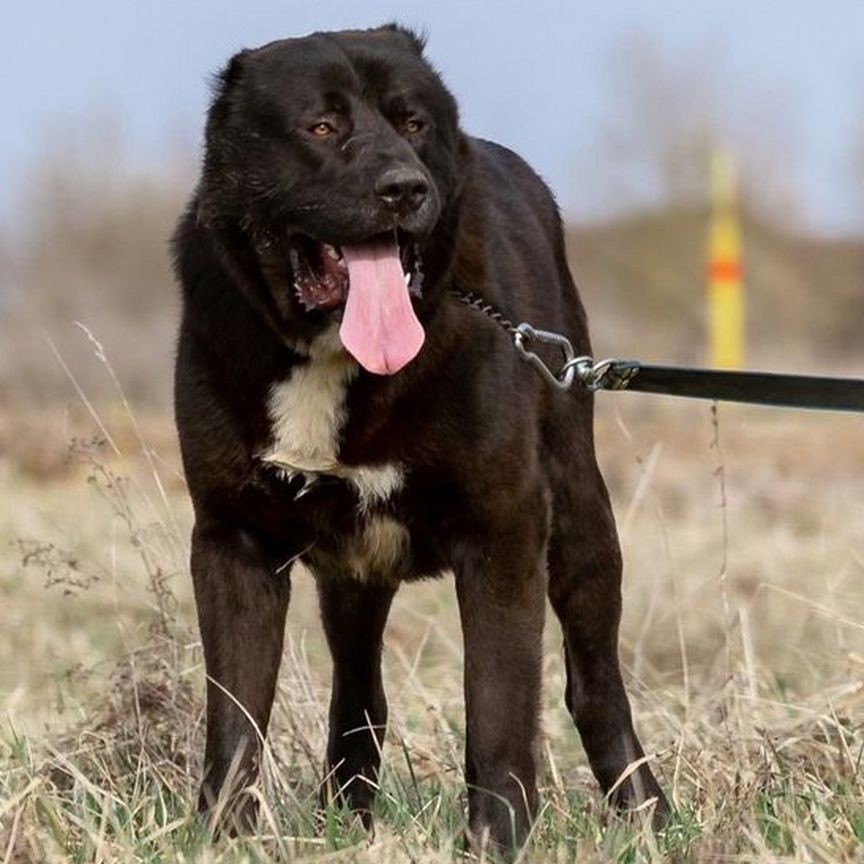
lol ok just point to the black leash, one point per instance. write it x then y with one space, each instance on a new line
756 388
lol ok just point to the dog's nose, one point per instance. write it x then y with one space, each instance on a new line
402 188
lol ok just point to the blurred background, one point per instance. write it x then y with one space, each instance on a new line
618 106
743 636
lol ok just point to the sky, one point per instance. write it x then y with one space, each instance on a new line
546 77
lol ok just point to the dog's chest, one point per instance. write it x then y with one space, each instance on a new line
308 415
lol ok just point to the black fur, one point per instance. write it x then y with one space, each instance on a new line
501 484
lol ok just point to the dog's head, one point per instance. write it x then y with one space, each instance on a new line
336 161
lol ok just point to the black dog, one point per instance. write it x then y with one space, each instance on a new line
337 405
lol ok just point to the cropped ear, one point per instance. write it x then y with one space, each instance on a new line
417 41
223 86
232 71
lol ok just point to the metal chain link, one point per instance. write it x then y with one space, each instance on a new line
478 303
602 374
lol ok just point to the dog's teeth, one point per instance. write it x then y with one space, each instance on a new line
331 252
407 279
301 298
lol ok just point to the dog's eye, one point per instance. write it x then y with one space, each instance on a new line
322 129
412 126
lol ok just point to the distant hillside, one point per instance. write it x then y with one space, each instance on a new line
643 281
96 252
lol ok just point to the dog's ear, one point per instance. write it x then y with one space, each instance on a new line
224 87
231 73
417 41
220 130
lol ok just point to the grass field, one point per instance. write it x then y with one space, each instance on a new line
743 643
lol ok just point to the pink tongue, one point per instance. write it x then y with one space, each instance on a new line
379 327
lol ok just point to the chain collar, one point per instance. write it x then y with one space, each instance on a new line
602 374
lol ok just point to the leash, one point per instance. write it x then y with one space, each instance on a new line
755 388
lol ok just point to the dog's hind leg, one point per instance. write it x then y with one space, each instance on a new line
585 591
241 602
354 615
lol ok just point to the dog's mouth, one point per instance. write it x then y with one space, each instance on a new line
370 283
321 276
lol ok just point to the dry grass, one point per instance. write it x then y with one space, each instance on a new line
744 630
743 641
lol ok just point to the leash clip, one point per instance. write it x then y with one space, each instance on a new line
593 376
563 378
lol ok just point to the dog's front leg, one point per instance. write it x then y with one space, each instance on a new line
354 616
500 584
242 602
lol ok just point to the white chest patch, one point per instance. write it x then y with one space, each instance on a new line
307 413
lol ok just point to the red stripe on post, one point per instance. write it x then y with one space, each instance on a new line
724 270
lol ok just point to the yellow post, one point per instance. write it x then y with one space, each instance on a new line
725 279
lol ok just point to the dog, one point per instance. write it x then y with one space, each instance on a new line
337 405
